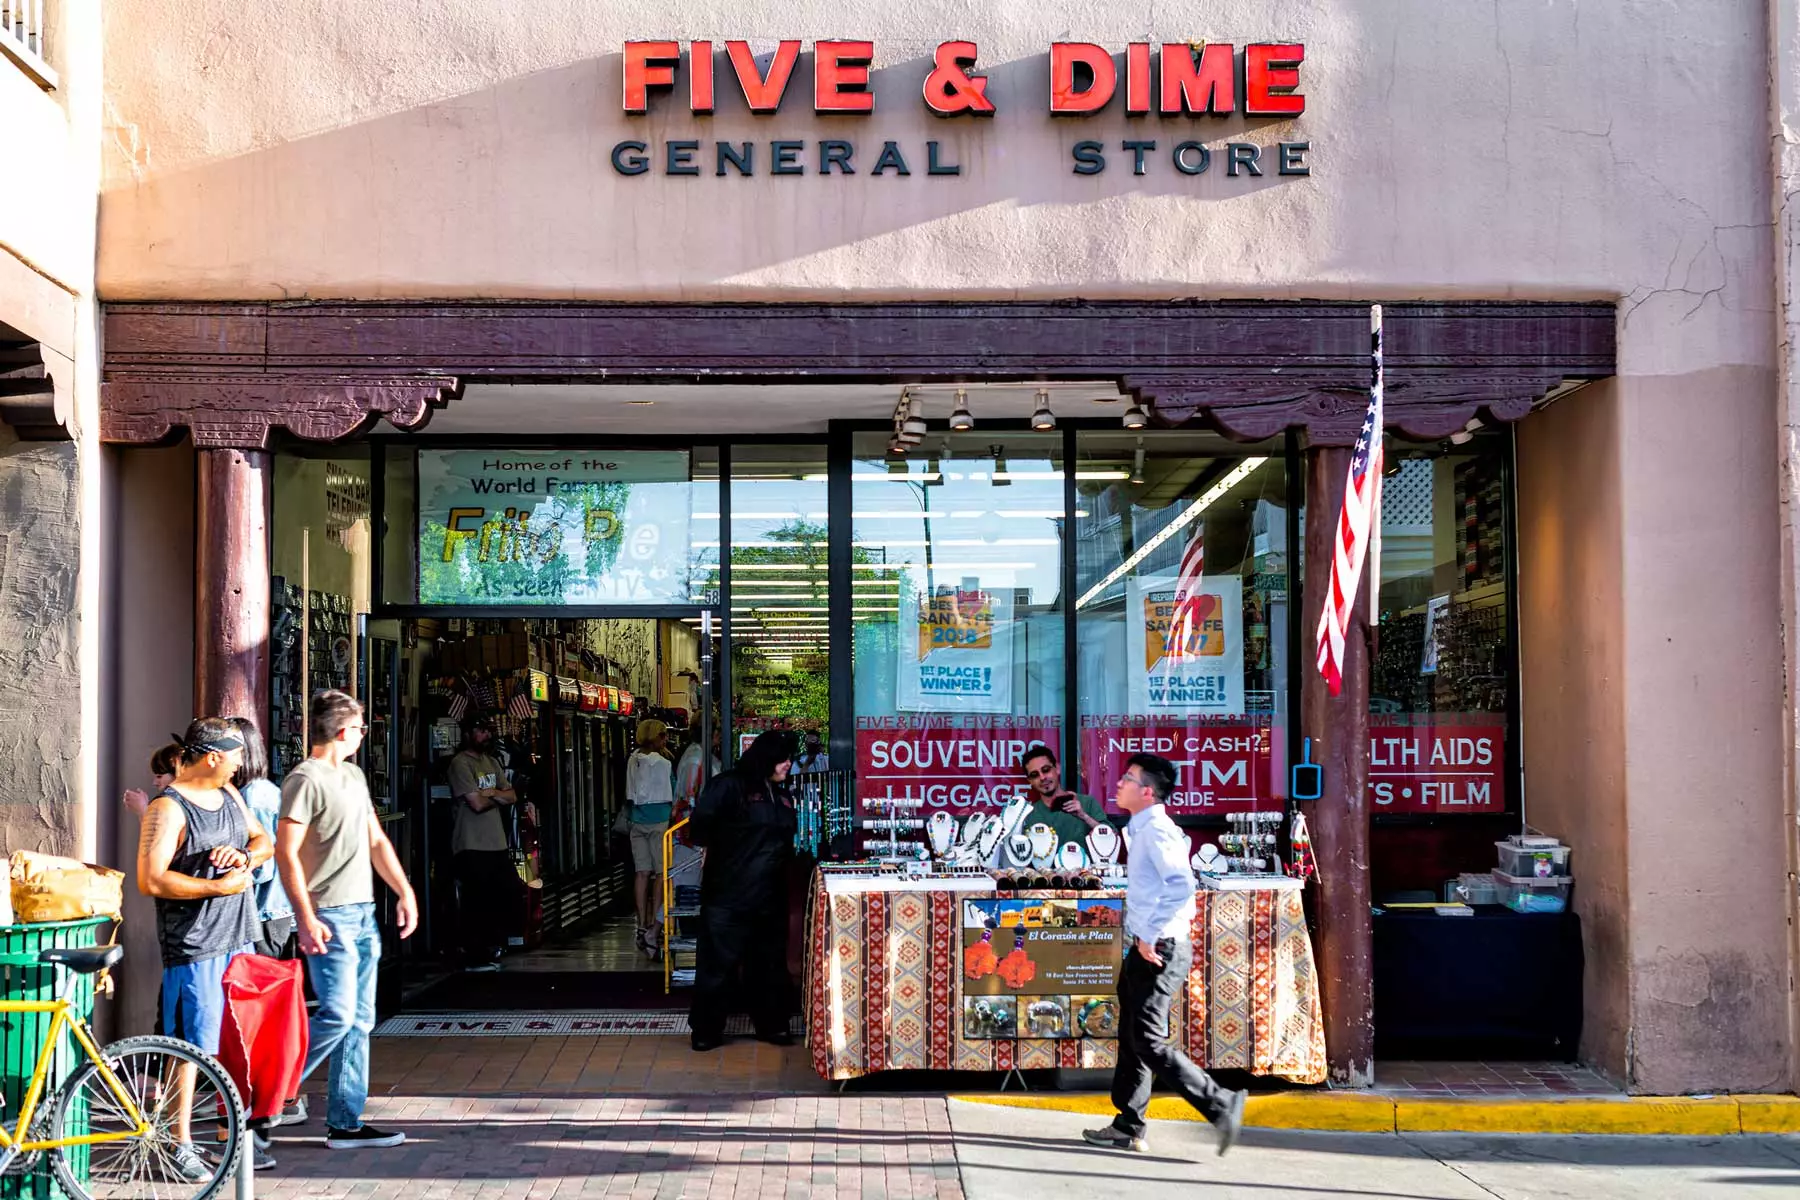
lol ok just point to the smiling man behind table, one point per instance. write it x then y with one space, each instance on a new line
328 841
1071 815
1159 919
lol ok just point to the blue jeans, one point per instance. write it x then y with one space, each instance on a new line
344 979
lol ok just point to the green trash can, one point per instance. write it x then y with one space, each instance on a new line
22 1034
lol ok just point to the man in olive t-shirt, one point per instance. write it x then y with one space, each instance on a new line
487 885
1071 815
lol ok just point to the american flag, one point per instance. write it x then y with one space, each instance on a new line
1359 527
1188 591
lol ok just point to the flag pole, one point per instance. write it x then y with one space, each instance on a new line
1378 451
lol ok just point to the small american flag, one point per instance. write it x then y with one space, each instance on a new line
1188 591
521 707
1359 527
459 705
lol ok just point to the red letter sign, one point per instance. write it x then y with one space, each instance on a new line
700 77
1137 78
763 94
841 77
648 65
1206 86
950 88
1064 58
1271 73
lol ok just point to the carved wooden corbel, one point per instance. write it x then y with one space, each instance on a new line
239 411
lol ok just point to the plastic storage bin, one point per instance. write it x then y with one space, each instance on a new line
1472 888
1522 860
1530 894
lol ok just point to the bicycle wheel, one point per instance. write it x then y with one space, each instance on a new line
148 1166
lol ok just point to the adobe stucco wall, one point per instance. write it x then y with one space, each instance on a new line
265 149
48 489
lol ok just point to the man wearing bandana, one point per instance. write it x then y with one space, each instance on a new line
197 855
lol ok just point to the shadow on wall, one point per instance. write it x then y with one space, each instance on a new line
523 183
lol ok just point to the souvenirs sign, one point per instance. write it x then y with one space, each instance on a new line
963 764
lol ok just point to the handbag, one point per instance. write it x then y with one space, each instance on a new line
48 888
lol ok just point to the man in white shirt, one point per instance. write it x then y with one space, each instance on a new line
1159 919
650 789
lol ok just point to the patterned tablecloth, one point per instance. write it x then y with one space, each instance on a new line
881 989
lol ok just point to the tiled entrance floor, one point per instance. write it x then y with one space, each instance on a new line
1474 1080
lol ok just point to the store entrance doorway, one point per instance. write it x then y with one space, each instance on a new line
504 747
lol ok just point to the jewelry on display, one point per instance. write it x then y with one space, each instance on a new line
941 829
1099 1018
1071 857
1043 844
1103 840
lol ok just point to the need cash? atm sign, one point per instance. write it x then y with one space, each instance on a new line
1258 80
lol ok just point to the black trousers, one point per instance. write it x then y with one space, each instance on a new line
1146 993
742 966
487 896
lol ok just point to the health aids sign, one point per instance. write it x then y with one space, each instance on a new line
956 652
1439 767
527 527
1168 80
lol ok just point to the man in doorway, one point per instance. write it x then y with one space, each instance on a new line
197 856
812 756
650 790
327 844
1071 815
487 885
1159 919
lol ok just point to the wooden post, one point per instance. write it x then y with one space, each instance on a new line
231 586
1339 728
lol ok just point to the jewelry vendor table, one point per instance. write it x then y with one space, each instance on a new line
883 964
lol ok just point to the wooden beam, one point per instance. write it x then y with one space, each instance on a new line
1339 729
231 585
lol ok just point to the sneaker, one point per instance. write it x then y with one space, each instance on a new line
359 1138
261 1159
186 1162
1231 1121
293 1114
1114 1138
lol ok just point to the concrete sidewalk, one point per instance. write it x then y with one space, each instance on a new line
1005 1153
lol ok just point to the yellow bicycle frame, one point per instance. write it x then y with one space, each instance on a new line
62 1015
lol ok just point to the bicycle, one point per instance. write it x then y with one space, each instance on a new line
122 1109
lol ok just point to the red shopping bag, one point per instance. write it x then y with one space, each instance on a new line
263 1041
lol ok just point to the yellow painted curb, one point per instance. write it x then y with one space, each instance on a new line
1628 1114
1342 1112
1769 1114
1365 1112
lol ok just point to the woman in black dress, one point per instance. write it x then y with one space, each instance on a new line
745 820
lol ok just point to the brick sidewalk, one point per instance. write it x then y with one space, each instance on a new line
536 1119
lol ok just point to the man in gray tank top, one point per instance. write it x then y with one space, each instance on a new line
197 855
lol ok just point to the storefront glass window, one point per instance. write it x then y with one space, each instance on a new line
1197 674
780 596
1441 677
556 527
958 603
320 555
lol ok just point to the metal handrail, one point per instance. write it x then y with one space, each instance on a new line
668 904
22 39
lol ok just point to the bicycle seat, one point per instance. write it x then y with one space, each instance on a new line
83 960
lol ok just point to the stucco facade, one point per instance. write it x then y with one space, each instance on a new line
255 150
49 488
